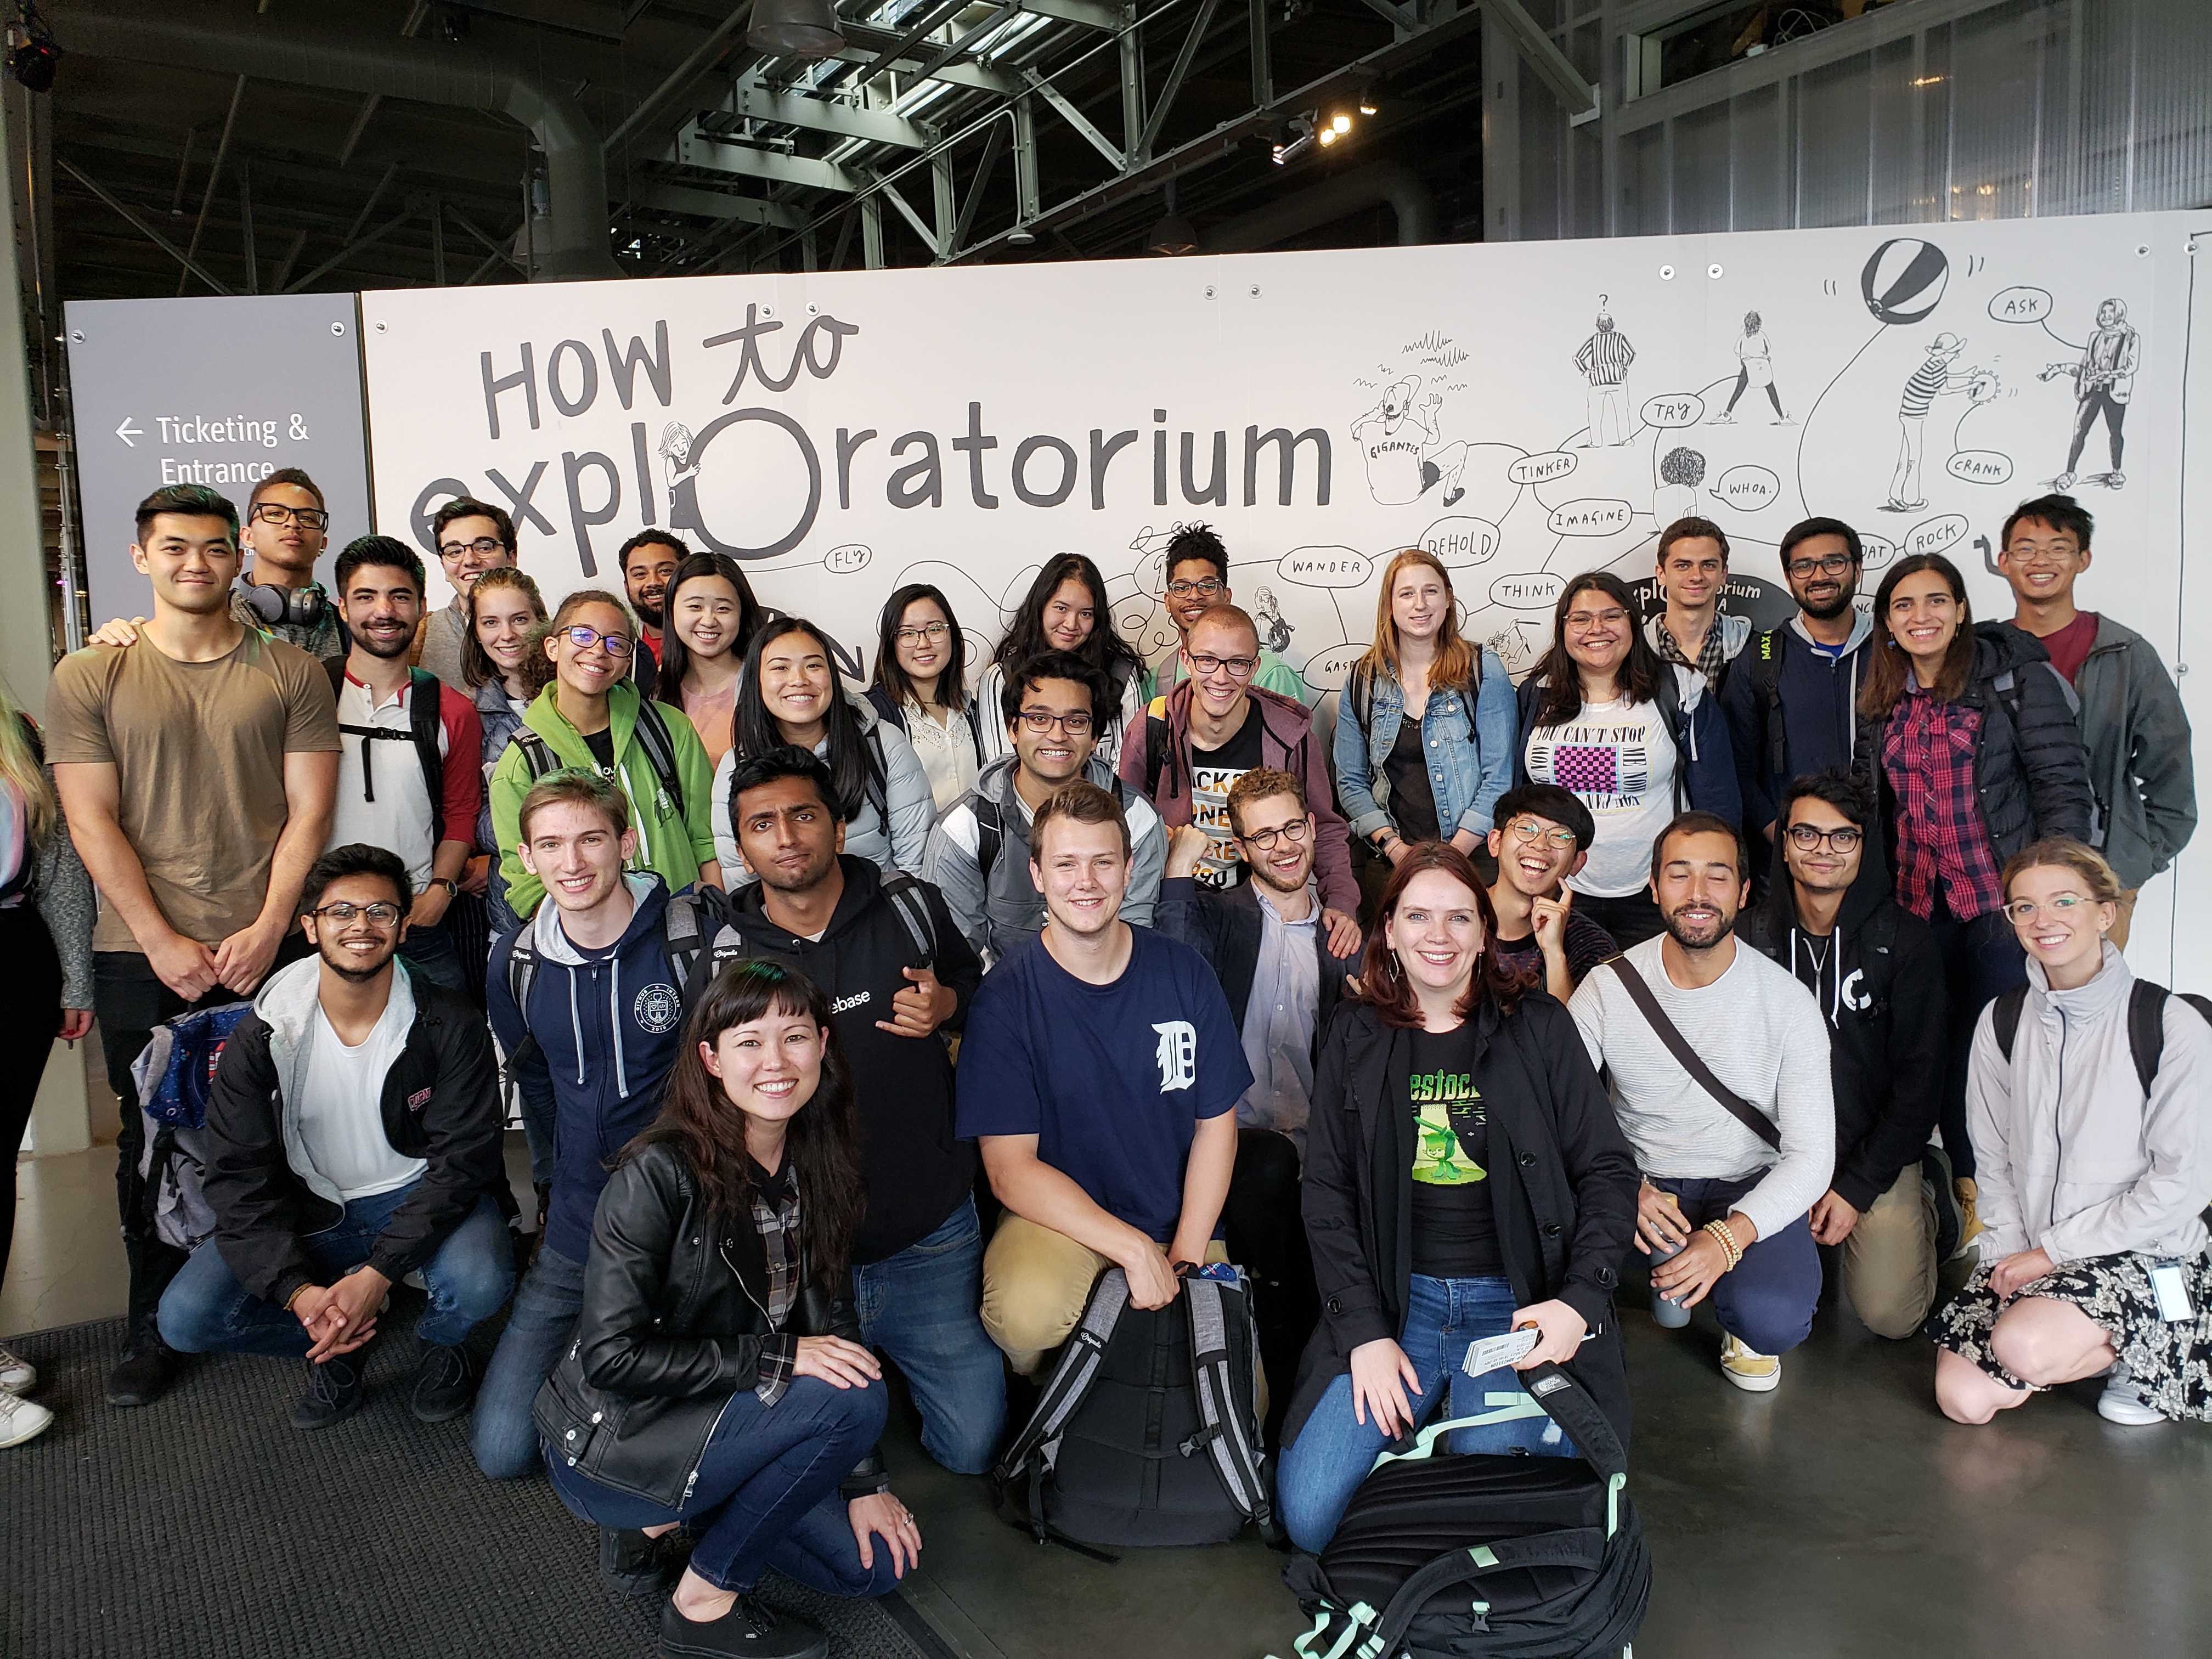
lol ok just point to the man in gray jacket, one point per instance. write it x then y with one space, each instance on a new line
978 855
2132 721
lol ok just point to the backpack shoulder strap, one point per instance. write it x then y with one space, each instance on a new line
536 753
906 896
681 933
1155 743
1227 1414
1766 669
1684 1052
2147 1031
1070 1378
521 971
335 668
652 731
426 695
2004 1018
990 835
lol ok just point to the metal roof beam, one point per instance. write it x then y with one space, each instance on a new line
694 149
864 45
716 204
791 109
1089 13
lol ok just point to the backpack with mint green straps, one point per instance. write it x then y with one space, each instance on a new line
1446 1555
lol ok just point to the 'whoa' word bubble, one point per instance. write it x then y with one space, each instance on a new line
1748 489
1592 516
1540 469
1325 567
1528 590
1981 466
2020 305
1672 408
1461 540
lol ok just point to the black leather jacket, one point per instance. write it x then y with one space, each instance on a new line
671 1327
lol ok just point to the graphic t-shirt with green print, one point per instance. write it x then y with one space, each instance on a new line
1455 1228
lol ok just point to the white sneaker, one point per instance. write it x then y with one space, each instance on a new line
22 1419
1748 1369
2123 1404
17 1375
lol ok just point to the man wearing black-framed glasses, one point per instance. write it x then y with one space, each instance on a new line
1194 574
1542 836
470 538
1873 968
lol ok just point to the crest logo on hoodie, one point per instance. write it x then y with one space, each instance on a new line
657 1009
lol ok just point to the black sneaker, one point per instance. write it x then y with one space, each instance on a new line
144 1374
445 1384
1942 1192
752 1629
631 1564
334 1392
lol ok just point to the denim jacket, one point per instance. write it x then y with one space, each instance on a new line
1470 754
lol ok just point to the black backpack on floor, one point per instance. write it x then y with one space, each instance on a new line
1475 1556
1147 1432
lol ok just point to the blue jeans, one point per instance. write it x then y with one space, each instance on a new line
430 953
1334 1451
1766 1301
920 1306
502 1434
766 1493
206 1311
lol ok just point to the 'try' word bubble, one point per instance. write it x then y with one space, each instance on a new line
1325 567
2020 305
1530 590
1461 540
1540 469
1592 516
1748 488
1672 408
1981 466
1937 534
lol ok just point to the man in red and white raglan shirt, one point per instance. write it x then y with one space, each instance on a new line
410 778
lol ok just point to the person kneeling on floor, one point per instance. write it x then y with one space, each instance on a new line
1454 1113
717 1377
355 1138
2092 1178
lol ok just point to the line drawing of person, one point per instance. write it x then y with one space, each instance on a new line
1934 379
2104 380
1681 470
1754 366
1274 629
1604 361
1401 466
682 477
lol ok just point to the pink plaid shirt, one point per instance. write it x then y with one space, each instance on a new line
1928 752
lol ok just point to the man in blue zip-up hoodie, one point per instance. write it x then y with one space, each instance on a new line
590 1043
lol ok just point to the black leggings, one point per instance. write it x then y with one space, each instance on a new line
1266 1232
28 1020
1981 958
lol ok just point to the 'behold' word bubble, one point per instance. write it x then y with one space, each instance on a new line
1325 567
1461 540
1540 469
1748 489
1937 534
1878 552
1528 590
1325 670
1672 408
846 560
1981 466
1589 517
2020 305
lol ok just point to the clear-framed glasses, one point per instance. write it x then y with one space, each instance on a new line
484 547
2061 906
932 632
1240 668
1041 721
381 914
1203 588
1582 622
1295 832
1555 835
1806 836
307 518
1829 564
583 638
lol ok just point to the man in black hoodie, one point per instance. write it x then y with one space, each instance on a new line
898 972
1874 968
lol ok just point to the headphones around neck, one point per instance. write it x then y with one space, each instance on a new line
300 607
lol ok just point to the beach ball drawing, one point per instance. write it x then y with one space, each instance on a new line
1904 279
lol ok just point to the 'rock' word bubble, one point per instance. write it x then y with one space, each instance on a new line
1592 516
1937 534
1325 567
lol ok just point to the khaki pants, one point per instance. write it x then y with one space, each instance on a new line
1889 1260
1035 1284
2124 913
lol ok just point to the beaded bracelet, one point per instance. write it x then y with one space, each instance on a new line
1721 1231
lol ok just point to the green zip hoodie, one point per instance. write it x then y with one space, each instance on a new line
672 844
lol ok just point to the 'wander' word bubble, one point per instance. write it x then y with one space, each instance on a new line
1592 516
2020 305
1530 590
1325 670
1672 408
1981 466
1937 534
1461 540
1540 469
1325 567
1748 488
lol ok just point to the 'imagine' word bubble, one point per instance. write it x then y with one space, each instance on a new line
1540 469
1461 540
1748 489
1981 466
2020 305
1937 534
1593 516
1528 590
1325 567
1672 408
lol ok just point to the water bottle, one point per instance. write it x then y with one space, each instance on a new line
1668 1313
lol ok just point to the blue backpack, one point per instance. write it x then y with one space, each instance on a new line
175 1073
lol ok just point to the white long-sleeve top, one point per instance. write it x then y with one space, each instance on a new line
1762 1034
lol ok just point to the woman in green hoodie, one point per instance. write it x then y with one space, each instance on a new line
591 716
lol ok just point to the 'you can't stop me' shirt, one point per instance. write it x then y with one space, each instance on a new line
1618 759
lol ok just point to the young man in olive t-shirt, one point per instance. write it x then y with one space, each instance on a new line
197 768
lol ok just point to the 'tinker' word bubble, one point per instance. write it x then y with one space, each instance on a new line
1325 670
1530 590
1461 540
1937 534
847 560
1672 408
1748 489
1592 516
1540 469
1325 567
1981 466
2020 305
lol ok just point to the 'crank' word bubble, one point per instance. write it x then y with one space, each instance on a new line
1981 466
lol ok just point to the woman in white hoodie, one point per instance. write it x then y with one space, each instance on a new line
2094 1253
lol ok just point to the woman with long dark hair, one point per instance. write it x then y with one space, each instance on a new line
1634 738
1465 1177
1065 609
922 688
1968 741
503 665
717 1377
712 617
793 693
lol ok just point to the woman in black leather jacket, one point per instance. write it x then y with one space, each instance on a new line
717 1376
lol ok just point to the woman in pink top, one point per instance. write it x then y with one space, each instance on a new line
712 615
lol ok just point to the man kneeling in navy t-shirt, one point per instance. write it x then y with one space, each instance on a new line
1100 1071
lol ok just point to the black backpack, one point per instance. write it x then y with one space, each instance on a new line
991 825
652 733
1147 1432
2146 1023
1452 1556
423 694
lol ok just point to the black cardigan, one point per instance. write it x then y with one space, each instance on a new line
1564 1186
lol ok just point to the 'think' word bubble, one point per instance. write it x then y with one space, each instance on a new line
1528 590
1937 534
2020 305
1981 466
1878 551
1540 469
1748 489
846 560
1325 670
1672 408
1590 517
1325 567
1461 540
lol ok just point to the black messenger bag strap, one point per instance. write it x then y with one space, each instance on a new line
1678 1045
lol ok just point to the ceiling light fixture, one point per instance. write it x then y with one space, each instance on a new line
1301 129
795 28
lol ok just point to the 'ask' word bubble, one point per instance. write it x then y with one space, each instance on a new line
2020 305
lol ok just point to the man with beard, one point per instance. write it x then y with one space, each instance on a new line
355 1138
1790 703
1713 1056
647 561
421 806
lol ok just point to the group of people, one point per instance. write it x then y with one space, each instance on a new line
1435 1023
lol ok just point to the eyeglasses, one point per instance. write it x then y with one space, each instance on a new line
1295 831
1580 621
583 638
1240 668
1205 588
1041 721
1830 564
484 547
2060 908
379 914
307 518
1805 837
930 631
1558 834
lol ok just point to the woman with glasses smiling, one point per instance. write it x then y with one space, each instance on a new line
591 717
922 688
2086 1100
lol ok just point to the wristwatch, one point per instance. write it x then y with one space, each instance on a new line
453 887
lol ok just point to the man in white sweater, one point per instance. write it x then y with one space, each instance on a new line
1727 1182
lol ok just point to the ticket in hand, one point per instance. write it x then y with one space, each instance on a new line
1491 1352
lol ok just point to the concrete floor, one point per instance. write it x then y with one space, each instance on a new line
1838 1518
